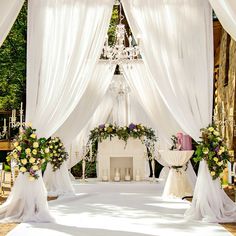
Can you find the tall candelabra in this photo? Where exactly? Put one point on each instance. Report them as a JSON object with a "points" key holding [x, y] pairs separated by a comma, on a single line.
{"points": [[150, 155], [12, 123], [87, 149]]}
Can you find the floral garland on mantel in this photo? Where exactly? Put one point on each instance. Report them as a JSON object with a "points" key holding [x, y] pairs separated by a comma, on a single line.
{"points": [[213, 150], [136, 131]]}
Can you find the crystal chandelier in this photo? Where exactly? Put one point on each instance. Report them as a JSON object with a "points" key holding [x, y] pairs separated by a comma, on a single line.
{"points": [[118, 53]]}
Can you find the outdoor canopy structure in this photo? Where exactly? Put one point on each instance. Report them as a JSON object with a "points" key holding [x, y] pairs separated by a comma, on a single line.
{"points": [[64, 85]]}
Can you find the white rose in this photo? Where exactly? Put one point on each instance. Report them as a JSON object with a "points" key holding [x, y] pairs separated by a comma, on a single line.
{"points": [[35, 167], [220, 163], [32, 160], [33, 136], [34, 151], [19, 148], [27, 150], [46, 150], [205, 150], [211, 129], [24, 161], [35, 145], [23, 169], [16, 144], [215, 159], [213, 173], [15, 155]]}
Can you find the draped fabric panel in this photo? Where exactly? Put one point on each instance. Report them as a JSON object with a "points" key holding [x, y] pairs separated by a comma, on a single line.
{"points": [[90, 100], [157, 115], [210, 202], [9, 10], [65, 39], [100, 116], [142, 85], [226, 13], [179, 59]]}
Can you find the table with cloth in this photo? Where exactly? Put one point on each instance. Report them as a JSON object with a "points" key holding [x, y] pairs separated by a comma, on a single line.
{"points": [[177, 183]]}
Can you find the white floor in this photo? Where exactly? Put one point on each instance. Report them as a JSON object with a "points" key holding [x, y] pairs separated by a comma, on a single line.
{"points": [[112, 209]]}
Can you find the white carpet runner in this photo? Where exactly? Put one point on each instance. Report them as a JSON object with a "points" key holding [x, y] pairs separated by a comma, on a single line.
{"points": [[112, 209]]}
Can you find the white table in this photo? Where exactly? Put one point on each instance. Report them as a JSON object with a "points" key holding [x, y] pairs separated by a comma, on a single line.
{"points": [[177, 183]]}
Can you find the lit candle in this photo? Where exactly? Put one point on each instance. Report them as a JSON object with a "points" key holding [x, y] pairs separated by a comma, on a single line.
{"points": [[130, 41]]}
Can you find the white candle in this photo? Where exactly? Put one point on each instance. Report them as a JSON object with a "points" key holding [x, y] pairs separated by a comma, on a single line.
{"points": [[21, 106], [130, 41], [106, 42]]}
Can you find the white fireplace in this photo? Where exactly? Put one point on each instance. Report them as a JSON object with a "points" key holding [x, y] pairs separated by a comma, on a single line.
{"points": [[115, 153]]}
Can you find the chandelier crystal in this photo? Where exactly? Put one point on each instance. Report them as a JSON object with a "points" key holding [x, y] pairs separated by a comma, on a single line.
{"points": [[119, 53]]}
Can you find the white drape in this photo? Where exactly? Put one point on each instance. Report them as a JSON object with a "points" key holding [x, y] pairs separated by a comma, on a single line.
{"points": [[142, 85], [100, 116], [27, 201], [58, 182], [91, 99], [226, 13], [157, 115], [9, 11], [65, 39], [210, 202], [179, 59]]}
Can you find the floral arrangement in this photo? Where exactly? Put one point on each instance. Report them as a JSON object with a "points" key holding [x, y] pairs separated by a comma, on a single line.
{"points": [[29, 152], [213, 150], [104, 131], [57, 153]]}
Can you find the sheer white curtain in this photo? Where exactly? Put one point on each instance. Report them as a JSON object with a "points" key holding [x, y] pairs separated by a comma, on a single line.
{"points": [[9, 11], [90, 100], [181, 62], [65, 39], [143, 87], [179, 59], [226, 13], [157, 115], [58, 183], [27, 201], [210, 202], [100, 116]]}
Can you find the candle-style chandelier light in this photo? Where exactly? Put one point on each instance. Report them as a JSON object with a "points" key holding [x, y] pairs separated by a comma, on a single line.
{"points": [[119, 53]]}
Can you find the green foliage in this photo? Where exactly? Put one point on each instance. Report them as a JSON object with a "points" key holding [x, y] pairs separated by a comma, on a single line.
{"points": [[13, 64], [90, 170], [213, 150], [112, 27]]}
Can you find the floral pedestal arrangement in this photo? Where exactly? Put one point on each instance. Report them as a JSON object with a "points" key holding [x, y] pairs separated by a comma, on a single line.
{"points": [[56, 176], [28, 199]]}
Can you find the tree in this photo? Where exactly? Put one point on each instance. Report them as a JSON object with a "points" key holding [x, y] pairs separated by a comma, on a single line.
{"points": [[13, 64]]}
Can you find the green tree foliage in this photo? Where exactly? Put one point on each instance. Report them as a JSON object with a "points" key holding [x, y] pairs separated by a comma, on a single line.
{"points": [[13, 60], [13, 64], [112, 27]]}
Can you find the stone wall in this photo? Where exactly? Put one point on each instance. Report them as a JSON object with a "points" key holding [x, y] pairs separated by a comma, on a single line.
{"points": [[224, 101]]}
